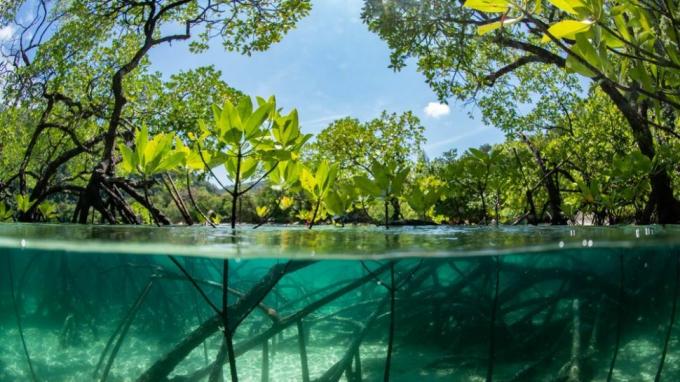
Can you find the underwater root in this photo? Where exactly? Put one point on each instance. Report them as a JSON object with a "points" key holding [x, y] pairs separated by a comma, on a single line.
{"points": [[304, 366], [335, 372], [619, 321], [17, 315], [671, 322], [492, 323], [210, 327], [121, 332], [239, 311], [547, 322]]}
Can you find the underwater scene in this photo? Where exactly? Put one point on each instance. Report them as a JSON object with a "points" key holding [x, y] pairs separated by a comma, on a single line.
{"points": [[120, 303]]}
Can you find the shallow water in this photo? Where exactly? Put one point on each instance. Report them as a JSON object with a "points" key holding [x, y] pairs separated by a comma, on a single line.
{"points": [[466, 304]]}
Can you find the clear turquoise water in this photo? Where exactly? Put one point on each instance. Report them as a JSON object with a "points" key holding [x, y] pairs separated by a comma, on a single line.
{"points": [[469, 304]]}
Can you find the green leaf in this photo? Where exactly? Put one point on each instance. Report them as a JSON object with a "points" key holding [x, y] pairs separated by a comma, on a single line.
{"points": [[262, 211], [286, 202], [322, 173], [217, 116], [171, 161], [230, 166], [367, 186], [248, 167], [5, 212], [490, 27], [398, 181], [256, 119], [584, 49], [334, 203], [141, 139], [245, 108], [488, 6], [574, 65], [308, 181], [479, 154], [48, 210], [129, 159], [23, 202], [567, 29], [330, 179], [231, 116], [568, 6]]}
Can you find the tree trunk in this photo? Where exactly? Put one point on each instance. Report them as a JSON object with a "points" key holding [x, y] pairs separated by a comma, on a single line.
{"points": [[234, 196], [551, 185], [661, 198], [483, 197], [396, 209], [531, 217]]}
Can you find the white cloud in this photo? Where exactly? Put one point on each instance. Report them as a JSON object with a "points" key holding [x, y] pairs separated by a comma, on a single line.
{"points": [[436, 109], [6, 33]]}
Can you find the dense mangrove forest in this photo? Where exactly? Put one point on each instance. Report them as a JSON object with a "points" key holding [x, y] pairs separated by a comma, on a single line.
{"points": [[187, 196], [586, 93]]}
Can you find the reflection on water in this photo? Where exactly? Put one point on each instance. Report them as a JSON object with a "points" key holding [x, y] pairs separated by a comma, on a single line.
{"points": [[558, 305]]}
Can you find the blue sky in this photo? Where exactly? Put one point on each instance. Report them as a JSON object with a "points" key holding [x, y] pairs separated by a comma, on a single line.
{"points": [[330, 67]]}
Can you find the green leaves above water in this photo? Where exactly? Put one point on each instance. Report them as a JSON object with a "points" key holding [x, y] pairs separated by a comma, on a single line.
{"points": [[151, 156], [387, 181]]}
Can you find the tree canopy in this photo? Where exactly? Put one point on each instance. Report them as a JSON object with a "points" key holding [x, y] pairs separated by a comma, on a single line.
{"points": [[585, 91], [629, 50]]}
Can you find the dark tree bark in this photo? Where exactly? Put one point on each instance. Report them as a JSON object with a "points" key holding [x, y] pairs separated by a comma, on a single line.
{"points": [[551, 185], [661, 199], [92, 194]]}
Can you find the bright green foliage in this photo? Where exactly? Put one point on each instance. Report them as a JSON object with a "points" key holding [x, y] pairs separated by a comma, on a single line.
{"points": [[341, 198], [424, 194], [318, 184], [191, 159], [262, 211], [5, 212], [251, 142], [520, 67], [479, 181], [645, 37], [243, 135], [387, 181], [23, 202], [151, 156], [624, 185], [285, 176], [178, 104], [285, 203], [48, 210], [611, 152], [78, 75], [354, 145], [491, 6]]}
